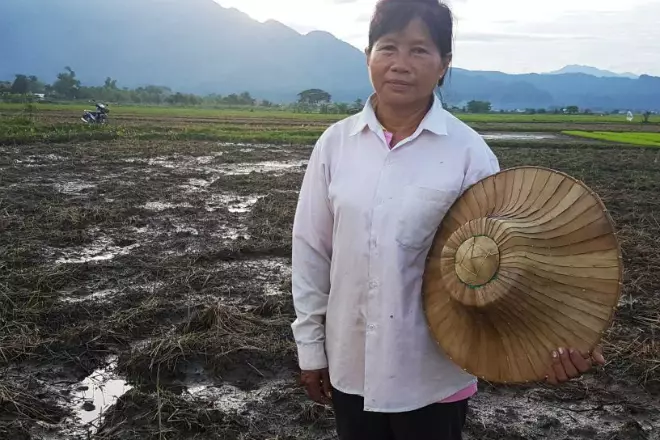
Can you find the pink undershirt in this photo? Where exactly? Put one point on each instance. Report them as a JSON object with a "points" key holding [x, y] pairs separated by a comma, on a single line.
{"points": [[472, 389]]}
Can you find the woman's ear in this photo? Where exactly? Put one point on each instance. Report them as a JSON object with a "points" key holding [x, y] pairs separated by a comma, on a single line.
{"points": [[446, 62], [367, 53]]}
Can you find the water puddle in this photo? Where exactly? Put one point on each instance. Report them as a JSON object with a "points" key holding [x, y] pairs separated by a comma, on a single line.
{"points": [[263, 167], [38, 159], [102, 249], [231, 233], [183, 229], [519, 136], [233, 203], [200, 183], [232, 400], [204, 159], [73, 187], [162, 206], [204, 164], [96, 393], [101, 295]]}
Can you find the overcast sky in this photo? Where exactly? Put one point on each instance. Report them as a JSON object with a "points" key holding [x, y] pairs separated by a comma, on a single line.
{"points": [[512, 36]]}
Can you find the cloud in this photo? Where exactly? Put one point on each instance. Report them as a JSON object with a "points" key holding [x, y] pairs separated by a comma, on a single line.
{"points": [[507, 35], [497, 37], [618, 36]]}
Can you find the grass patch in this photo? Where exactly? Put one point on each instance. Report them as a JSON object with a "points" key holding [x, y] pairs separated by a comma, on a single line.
{"points": [[247, 112], [240, 347], [21, 408], [139, 415], [638, 138], [172, 111], [22, 133]]}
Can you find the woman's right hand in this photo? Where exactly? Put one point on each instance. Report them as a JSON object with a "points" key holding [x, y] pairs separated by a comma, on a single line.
{"points": [[317, 385]]}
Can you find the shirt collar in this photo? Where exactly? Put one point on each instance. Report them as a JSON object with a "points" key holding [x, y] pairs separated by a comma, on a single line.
{"points": [[435, 120]]}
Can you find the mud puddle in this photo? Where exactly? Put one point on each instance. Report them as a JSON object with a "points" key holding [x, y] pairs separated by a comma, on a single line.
{"points": [[74, 187], [205, 164], [102, 249], [162, 206], [263, 167], [96, 394], [233, 203]]}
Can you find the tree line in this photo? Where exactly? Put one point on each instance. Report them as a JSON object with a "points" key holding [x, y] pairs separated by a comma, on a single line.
{"points": [[68, 87]]}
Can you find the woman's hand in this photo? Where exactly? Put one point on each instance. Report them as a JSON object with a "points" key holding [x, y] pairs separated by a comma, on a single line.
{"points": [[568, 364], [317, 384]]}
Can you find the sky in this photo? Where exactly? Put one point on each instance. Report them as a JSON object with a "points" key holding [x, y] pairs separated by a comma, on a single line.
{"points": [[513, 36]]}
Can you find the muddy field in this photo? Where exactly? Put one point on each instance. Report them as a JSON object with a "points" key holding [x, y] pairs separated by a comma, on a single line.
{"points": [[145, 293]]}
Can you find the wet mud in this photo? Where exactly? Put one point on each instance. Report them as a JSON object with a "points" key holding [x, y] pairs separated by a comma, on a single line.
{"points": [[145, 293]]}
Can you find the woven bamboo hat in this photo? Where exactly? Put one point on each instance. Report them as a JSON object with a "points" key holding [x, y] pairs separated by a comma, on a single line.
{"points": [[526, 261]]}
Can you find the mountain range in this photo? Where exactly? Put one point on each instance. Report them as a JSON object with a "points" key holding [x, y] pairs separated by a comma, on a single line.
{"points": [[200, 47], [588, 70]]}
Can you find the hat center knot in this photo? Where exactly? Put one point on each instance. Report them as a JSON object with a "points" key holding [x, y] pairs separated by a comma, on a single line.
{"points": [[477, 261]]}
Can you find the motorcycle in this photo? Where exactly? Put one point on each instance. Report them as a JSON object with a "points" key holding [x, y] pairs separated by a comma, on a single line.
{"points": [[100, 116]]}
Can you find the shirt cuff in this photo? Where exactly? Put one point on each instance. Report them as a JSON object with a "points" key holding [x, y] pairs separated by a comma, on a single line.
{"points": [[312, 356]]}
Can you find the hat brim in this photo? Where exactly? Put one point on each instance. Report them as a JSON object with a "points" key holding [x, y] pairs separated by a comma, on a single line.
{"points": [[525, 261]]}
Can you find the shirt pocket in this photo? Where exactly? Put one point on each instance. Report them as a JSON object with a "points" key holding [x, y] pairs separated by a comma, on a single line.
{"points": [[422, 211]]}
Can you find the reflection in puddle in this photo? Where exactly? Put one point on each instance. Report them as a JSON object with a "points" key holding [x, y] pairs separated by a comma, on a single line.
{"points": [[94, 395]]}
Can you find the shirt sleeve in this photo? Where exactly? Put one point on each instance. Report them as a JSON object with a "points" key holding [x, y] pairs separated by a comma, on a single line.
{"points": [[311, 256], [481, 163]]}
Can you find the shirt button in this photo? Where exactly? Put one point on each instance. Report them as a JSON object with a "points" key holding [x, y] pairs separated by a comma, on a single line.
{"points": [[373, 284], [371, 327]]}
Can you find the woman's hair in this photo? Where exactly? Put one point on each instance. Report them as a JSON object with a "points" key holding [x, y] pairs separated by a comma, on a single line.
{"points": [[395, 15]]}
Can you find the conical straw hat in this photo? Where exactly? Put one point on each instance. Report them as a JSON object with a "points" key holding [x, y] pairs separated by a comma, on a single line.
{"points": [[526, 261]]}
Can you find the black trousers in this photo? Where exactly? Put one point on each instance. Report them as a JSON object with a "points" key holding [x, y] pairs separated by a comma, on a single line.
{"points": [[441, 421]]}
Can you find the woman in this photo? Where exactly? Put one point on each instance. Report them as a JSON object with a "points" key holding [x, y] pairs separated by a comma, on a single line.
{"points": [[377, 186]]}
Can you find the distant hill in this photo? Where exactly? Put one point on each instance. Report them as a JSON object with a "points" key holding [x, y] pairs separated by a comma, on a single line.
{"points": [[588, 70], [198, 46]]}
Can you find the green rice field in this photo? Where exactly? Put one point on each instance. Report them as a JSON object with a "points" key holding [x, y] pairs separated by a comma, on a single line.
{"points": [[205, 112], [637, 138]]}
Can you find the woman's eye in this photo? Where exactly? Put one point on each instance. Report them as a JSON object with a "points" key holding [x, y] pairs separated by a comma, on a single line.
{"points": [[420, 50], [388, 48]]}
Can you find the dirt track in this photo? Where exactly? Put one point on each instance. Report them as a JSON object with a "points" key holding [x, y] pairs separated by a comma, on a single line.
{"points": [[162, 270]]}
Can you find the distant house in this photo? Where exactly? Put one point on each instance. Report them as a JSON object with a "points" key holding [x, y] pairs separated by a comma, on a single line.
{"points": [[40, 96]]}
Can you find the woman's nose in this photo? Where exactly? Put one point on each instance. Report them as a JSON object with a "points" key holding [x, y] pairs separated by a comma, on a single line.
{"points": [[400, 64]]}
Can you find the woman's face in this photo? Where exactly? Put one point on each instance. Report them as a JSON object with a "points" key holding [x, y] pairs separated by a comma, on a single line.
{"points": [[405, 66]]}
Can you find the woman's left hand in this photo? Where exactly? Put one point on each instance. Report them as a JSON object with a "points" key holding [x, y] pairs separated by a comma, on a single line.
{"points": [[568, 364]]}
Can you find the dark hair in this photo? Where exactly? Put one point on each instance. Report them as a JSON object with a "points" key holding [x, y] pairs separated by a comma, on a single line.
{"points": [[395, 15]]}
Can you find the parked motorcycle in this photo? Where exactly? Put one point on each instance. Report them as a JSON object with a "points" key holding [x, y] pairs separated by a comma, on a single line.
{"points": [[100, 116]]}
